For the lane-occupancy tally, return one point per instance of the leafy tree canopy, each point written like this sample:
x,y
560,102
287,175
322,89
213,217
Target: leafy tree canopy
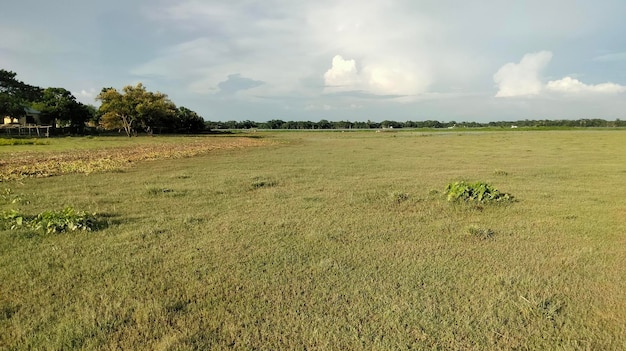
x,y
133,108
15,94
60,106
188,121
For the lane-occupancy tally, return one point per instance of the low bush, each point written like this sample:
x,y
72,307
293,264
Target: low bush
x,y
478,192
50,222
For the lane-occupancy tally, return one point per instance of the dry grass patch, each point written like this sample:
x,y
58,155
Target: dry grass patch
x,y
37,164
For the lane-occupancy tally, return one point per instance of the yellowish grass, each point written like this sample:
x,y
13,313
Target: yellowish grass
x,y
37,164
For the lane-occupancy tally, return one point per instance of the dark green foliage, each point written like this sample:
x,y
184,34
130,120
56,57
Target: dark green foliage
x,y
260,182
478,192
158,191
51,222
15,95
187,121
58,105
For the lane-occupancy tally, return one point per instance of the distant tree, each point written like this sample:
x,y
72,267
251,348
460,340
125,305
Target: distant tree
x,y
247,124
94,115
188,121
15,95
135,108
342,125
274,124
324,124
59,106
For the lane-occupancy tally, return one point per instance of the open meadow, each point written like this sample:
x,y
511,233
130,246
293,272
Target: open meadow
x,y
317,241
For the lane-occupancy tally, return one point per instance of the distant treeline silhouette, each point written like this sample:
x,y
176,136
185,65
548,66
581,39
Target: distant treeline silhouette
x,y
324,124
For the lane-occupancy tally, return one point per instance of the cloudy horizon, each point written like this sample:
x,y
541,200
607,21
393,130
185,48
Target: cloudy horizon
x,y
336,60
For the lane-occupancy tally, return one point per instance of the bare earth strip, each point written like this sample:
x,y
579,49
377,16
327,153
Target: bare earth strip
x,y
35,164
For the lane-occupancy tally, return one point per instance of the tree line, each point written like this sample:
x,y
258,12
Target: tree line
x,y
325,124
133,109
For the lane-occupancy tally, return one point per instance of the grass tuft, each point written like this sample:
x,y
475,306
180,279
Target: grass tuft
x,y
480,233
263,182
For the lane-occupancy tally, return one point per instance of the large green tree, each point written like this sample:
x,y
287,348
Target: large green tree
x,y
15,94
134,108
58,105
188,121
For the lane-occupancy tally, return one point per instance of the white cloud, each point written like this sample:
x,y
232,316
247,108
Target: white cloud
x,y
380,77
395,77
574,86
86,96
342,76
614,57
523,78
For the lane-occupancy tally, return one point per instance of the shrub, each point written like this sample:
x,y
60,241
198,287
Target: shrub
x,y
475,192
65,220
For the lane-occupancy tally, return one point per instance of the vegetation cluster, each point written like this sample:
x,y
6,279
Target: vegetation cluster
x,y
50,222
132,110
477,192
432,124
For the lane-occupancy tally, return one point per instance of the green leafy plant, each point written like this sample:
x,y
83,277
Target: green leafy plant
x,y
8,197
65,220
12,219
50,222
478,192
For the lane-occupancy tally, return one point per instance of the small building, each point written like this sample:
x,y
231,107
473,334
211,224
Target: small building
x,y
29,123
31,116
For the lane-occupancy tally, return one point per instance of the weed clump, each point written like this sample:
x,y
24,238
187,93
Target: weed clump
x,y
260,182
51,222
477,192
399,197
480,233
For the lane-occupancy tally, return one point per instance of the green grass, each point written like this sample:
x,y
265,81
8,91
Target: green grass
x,y
22,141
330,241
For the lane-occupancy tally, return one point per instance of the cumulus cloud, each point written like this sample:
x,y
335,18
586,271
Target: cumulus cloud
x,y
342,76
574,86
383,77
523,78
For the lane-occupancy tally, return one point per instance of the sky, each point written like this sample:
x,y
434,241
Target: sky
x,y
483,60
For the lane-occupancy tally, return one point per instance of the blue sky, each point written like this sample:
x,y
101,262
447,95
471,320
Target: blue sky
x,y
337,60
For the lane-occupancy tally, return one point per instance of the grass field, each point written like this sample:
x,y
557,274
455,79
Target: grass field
x,y
325,241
